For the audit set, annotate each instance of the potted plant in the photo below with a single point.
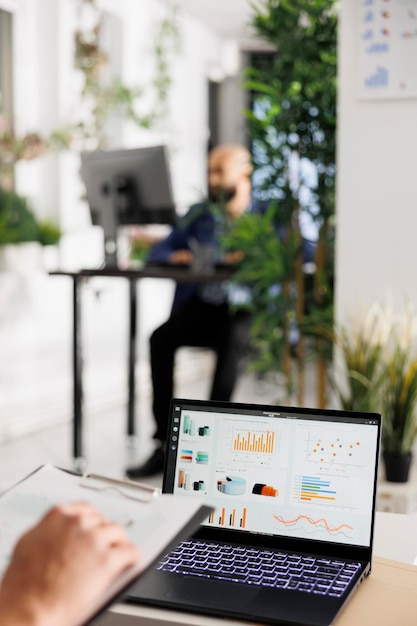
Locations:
(17, 221)
(358, 356)
(49, 234)
(23, 238)
(376, 370)
(19, 233)
(398, 378)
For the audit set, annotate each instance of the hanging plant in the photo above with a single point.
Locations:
(99, 98)
(103, 97)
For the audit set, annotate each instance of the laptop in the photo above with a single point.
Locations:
(294, 489)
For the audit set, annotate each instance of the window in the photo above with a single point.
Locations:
(6, 82)
(6, 85)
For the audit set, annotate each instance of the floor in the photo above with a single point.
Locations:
(108, 451)
(106, 448)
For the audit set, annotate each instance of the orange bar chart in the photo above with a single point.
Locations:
(228, 518)
(248, 441)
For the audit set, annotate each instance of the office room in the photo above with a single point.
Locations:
(81, 76)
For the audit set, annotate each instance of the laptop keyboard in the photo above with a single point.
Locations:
(262, 567)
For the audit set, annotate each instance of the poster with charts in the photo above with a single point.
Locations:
(387, 48)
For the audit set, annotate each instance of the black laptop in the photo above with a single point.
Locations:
(294, 490)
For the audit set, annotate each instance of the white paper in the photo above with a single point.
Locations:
(151, 522)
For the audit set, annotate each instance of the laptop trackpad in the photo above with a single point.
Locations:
(211, 593)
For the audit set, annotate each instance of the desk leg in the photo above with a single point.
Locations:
(132, 357)
(77, 362)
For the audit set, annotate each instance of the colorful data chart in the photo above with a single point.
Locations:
(260, 442)
(335, 448)
(305, 525)
(261, 489)
(202, 458)
(386, 42)
(232, 485)
(229, 517)
(314, 489)
(188, 426)
(186, 456)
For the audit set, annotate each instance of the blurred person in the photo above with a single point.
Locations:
(202, 314)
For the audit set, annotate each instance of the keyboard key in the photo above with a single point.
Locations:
(260, 567)
(197, 571)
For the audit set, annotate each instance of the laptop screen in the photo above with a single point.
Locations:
(301, 473)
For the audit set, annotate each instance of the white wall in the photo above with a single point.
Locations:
(377, 191)
(35, 309)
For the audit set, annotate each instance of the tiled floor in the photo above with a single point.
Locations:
(106, 448)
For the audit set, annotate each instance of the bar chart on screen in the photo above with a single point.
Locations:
(228, 516)
(260, 442)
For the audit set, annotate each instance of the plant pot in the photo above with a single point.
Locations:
(21, 258)
(397, 467)
(50, 258)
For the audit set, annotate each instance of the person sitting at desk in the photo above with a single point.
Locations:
(201, 314)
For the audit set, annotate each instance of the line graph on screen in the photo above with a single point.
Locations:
(308, 525)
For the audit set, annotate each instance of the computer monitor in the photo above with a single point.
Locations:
(127, 187)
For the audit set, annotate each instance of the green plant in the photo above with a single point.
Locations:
(293, 121)
(359, 346)
(102, 97)
(399, 397)
(377, 361)
(266, 265)
(139, 251)
(49, 233)
(17, 221)
(398, 380)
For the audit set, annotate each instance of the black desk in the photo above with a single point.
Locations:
(178, 274)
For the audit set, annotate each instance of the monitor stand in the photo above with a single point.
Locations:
(114, 198)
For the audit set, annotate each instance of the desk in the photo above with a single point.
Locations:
(387, 597)
(178, 274)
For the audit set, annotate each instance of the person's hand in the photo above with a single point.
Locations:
(233, 257)
(61, 567)
(140, 235)
(181, 256)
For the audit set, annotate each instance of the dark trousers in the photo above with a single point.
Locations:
(197, 323)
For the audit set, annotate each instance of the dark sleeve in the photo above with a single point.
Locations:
(309, 250)
(180, 236)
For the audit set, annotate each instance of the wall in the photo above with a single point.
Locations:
(35, 309)
(377, 191)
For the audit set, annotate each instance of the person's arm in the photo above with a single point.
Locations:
(176, 247)
(173, 249)
(62, 566)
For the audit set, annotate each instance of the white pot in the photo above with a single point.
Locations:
(21, 258)
(50, 256)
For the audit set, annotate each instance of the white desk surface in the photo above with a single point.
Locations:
(388, 596)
